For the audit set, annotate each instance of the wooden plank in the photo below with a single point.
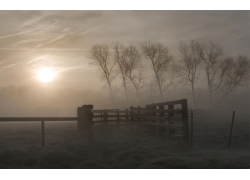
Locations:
(139, 113)
(2, 119)
(164, 125)
(162, 129)
(100, 116)
(184, 106)
(105, 110)
(122, 111)
(118, 117)
(136, 114)
(105, 117)
(163, 118)
(127, 117)
(114, 121)
(166, 103)
(165, 111)
(170, 115)
(136, 108)
(131, 113)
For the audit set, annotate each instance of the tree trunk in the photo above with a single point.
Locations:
(193, 93)
(159, 86)
(125, 88)
(138, 95)
(209, 89)
(111, 92)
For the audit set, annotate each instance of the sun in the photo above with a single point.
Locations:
(46, 75)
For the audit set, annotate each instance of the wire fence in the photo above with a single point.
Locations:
(212, 129)
(209, 130)
(27, 134)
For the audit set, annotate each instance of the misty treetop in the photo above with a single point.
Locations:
(198, 60)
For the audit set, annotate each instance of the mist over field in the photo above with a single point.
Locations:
(52, 62)
(27, 101)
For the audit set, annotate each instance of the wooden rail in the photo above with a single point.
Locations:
(158, 116)
(106, 116)
(4, 119)
(164, 117)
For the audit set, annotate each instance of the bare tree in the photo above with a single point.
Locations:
(100, 54)
(160, 59)
(191, 58)
(211, 63)
(135, 70)
(223, 75)
(121, 54)
(234, 73)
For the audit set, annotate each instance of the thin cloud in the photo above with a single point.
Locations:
(36, 59)
(44, 49)
(17, 34)
(9, 66)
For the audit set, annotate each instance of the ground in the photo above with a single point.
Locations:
(20, 147)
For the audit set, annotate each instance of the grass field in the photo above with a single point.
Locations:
(20, 147)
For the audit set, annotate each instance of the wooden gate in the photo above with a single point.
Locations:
(168, 117)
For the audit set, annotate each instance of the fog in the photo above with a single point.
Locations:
(31, 40)
(52, 62)
(58, 102)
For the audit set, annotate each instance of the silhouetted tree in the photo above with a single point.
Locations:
(121, 54)
(100, 55)
(135, 70)
(160, 59)
(191, 58)
(223, 75)
(211, 62)
(233, 73)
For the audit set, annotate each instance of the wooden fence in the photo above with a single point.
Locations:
(168, 117)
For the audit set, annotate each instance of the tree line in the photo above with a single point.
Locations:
(223, 73)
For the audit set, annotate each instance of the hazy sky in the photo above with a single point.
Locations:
(30, 40)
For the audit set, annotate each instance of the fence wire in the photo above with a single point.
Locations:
(27, 134)
(213, 131)
(208, 131)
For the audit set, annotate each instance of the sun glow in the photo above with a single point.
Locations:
(45, 75)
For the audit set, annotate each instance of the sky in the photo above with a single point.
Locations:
(31, 40)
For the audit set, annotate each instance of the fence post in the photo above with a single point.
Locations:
(118, 121)
(184, 107)
(43, 135)
(192, 130)
(131, 117)
(126, 116)
(162, 129)
(139, 114)
(147, 113)
(131, 114)
(105, 116)
(171, 130)
(231, 129)
(153, 108)
(84, 122)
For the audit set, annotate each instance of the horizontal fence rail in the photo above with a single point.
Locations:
(4, 119)
(170, 118)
